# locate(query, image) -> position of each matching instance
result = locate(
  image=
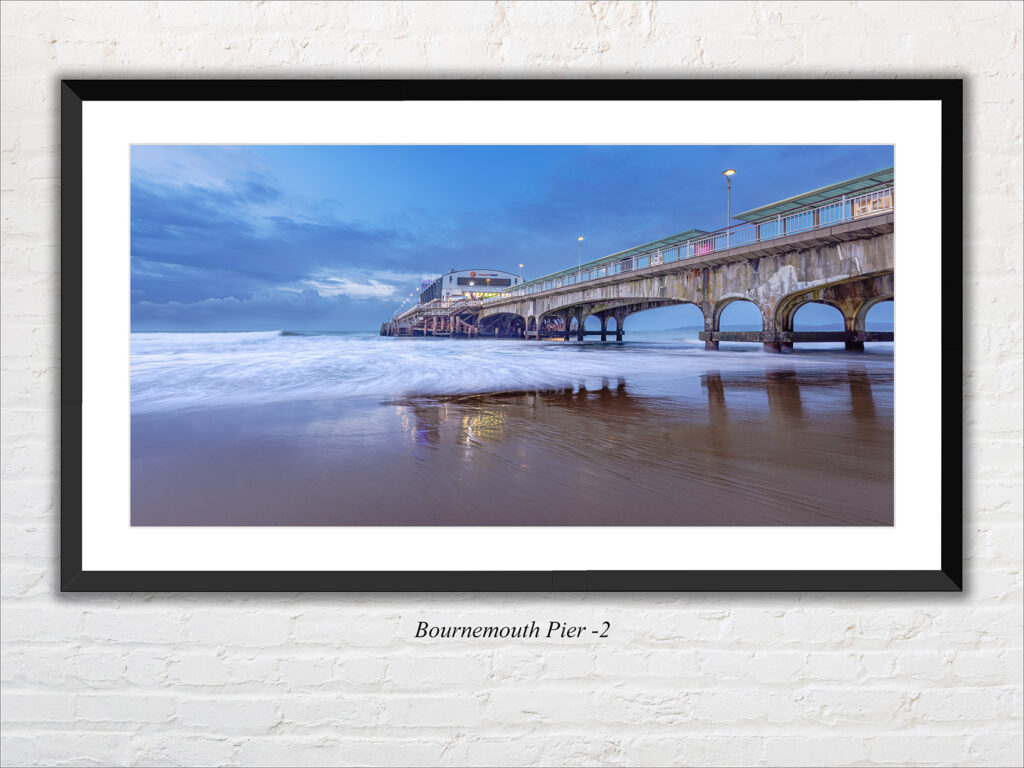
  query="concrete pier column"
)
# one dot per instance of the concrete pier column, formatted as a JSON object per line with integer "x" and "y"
{"x": 579, "y": 327}
{"x": 604, "y": 327}
{"x": 709, "y": 327}
{"x": 707, "y": 308}
{"x": 620, "y": 318}
{"x": 769, "y": 332}
{"x": 850, "y": 312}
{"x": 567, "y": 317}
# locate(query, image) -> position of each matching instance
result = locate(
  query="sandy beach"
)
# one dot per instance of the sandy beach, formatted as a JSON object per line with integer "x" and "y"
{"x": 742, "y": 444}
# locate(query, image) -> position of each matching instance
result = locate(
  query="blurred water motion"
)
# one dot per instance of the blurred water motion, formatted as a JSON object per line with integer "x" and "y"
{"x": 710, "y": 440}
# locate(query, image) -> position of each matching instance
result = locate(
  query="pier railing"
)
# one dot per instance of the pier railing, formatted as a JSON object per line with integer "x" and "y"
{"x": 829, "y": 214}
{"x": 435, "y": 307}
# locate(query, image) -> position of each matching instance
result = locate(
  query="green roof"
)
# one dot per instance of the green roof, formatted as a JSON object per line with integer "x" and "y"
{"x": 654, "y": 245}
{"x": 790, "y": 204}
{"x": 850, "y": 187}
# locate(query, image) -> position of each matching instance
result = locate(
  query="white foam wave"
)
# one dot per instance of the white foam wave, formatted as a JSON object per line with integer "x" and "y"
{"x": 183, "y": 370}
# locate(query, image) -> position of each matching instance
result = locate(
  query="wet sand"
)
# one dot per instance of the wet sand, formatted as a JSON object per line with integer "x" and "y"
{"x": 784, "y": 447}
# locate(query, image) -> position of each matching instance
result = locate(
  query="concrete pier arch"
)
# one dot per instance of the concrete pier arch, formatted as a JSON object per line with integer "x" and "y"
{"x": 848, "y": 264}
{"x": 504, "y": 325}
{"x": 739, "y": 310}
{"x": 853, "y": 297}
{"x": 871, "y": 306}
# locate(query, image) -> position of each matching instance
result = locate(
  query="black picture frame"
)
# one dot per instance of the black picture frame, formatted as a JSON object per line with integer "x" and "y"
{"x": 75, "y": 92}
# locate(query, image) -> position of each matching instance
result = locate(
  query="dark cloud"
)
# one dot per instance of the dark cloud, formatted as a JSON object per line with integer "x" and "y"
{"x": 192, "y": 243}
{"x": 305, "y": 310}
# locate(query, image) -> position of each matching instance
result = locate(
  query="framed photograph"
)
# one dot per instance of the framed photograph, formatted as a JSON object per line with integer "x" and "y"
{"x": 511, "y": 335}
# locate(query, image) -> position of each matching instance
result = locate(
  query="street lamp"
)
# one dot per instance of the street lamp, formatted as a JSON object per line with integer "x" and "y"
{"x": 728, "y": 201}
{"x": 579, "y": 267}
{"x": 520, "y": 273}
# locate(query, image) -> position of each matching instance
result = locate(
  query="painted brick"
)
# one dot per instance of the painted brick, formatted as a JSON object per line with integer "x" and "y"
{"x": 229, "y": 715}
{"x": 147, "y": 667}
{"x": 963, "y": 703}
{"x": 744, "y": 705}
{"x": 338, "y": 680}
{"x": 338, "y": 628}
{"x": 797, "y": 750}
{"x": 301, "y": 673}
{"x": 912, "y": 748}
{"x": 514, "y": 706}
{"x": 96, "y": 667}
{"x": 177, "y": 749}
{"x": 398, "y": 752}
{"x": 27, "y": 706}
{"x": 132, "y": 625}
{"x": 418, "y": 711}
{"x": 246, "y": 629}
{"x": 206, "y": 669}
{"x": 251, "y": 670}
{"x": 348, "y": 711}
{"x": 835, "y": 706}
{"x": 572, "y": 665}
{"x": 363, "y": 670}
{"x": 46, "y": 748}
{"x": 273, "y": 752}
{"x": 124, "y": 708}
{"x": 724, "y": 750}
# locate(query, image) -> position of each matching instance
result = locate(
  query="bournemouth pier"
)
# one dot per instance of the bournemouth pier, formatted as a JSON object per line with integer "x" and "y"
{"x": 832, "y": 245}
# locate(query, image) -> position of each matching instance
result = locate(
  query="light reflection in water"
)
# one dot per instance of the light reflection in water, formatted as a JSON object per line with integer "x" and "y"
{"x": 786, "y": 395}
{"x": 780, "y": 446}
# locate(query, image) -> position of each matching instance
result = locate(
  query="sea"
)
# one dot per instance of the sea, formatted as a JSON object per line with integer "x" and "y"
{"x": 331, "y": 428}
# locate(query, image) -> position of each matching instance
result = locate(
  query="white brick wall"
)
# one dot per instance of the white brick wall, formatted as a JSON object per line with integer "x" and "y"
{"x": 325, "y": 680}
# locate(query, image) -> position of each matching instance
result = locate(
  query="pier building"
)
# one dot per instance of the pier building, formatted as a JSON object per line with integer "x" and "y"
{"x": 468, "y": 284}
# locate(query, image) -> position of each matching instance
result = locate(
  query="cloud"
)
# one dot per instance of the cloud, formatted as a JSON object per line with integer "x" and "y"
{"x": 193, "y": 242}
{"x": 362, "y": 285}
{"x": 271, "y": 310}
{"x": 220, "y": 234}
{"x": 220, "y": 168}
{"x": 340, "y": 286}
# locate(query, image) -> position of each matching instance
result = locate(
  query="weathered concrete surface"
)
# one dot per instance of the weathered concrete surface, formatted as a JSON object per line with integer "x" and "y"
{"x": 849, "y": 266}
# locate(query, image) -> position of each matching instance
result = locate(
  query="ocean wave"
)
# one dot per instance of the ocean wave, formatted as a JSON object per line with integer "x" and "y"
{"x": 185, "y": 370}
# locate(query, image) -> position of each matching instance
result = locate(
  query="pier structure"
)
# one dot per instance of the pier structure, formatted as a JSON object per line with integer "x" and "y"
{"x": 449, "y": 305}
{"x": 831, "y": 246}
{"x": 436, "y": 318}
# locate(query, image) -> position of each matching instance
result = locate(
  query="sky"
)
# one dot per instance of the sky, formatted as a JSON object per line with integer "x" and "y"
{"x": 335, "y": 237}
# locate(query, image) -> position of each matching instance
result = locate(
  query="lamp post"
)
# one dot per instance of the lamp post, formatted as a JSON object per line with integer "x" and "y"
{"x": 579, "y": 266}
{"x": 729, "y": 173}
{"x": 520, "y": 273}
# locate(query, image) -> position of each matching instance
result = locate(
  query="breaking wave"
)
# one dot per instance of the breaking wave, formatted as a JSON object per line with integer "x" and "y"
{"x": 171, "y": 371}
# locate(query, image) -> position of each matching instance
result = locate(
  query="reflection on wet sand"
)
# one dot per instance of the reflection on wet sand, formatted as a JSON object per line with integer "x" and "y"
{"x": 783, "y": 389}
{"x": 482, "y": 417}
{"x": 823, "y": 455}
{"x": 476, "y": 418}
{"x": 808, "y": 446}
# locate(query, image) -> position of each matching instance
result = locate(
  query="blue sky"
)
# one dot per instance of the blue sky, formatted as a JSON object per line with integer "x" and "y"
{"x": 334, "y": 237}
